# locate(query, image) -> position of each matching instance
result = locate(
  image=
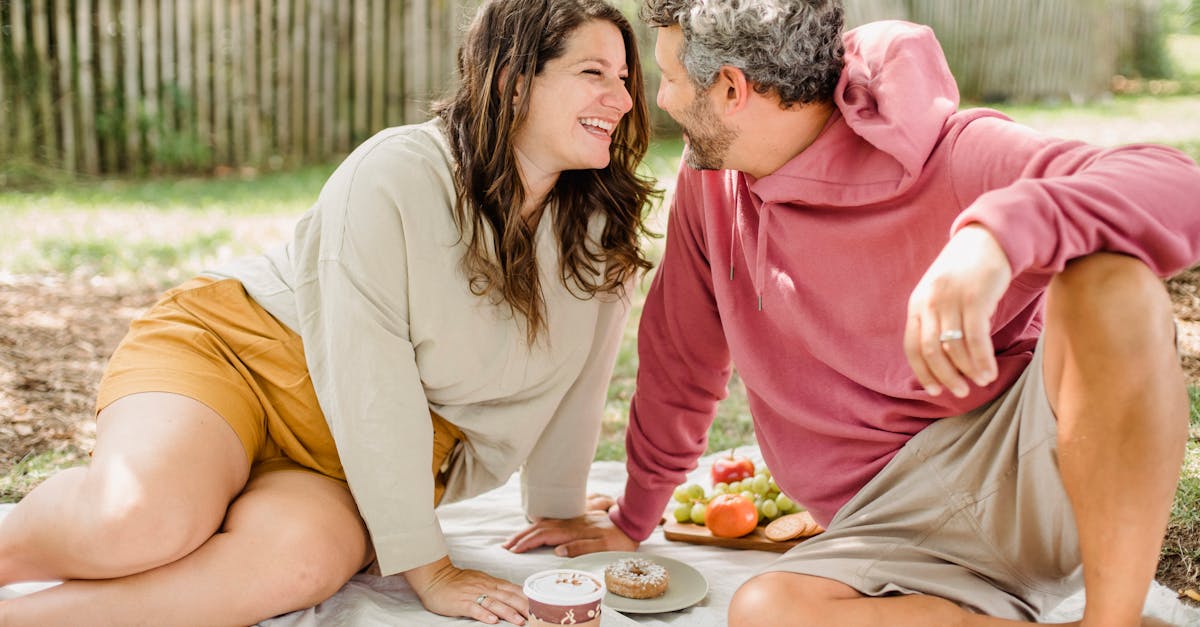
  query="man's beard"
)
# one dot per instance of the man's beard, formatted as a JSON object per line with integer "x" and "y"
{"x": 708, "y": 140}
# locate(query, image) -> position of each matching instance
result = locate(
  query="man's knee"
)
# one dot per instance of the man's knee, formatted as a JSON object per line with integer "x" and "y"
{"x": 803, "y": 599}
{"x": 1116, "y": 298}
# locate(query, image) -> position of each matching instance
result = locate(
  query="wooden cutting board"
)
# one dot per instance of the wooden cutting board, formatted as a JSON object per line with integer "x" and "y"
{"x": 698, "y": 534}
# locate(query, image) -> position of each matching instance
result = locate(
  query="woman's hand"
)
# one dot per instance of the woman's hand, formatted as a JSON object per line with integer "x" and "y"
{"x": 451, "y": 591}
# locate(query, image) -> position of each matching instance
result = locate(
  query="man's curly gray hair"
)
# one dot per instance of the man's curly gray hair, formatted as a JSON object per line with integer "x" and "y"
{"x": 790, "y": 47}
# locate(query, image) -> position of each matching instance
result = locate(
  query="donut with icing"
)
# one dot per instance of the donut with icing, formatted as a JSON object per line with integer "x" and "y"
{"x": 636, "y": 578}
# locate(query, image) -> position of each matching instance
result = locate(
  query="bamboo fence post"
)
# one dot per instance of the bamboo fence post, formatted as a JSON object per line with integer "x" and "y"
{"x": 416, "y": 68}
{"x": 283, "y": 77}
{"x": 62, "y": 32}
{"x": 184, "y": 79}
{"x": 266, "y": 93}
{"x": 236, "y": 57}
{"x": 312, "y": 142}
{"x": 129, "y": 48}
{"x": 249, "y": 106}
{"x": 42, "y": 60}
{"x": 21, "y": 104}
{"x": 150, "y": 86}
{"x": 345, "y": 95}
{"x": 202, "y": 18}
{"x": 329, "y": 41}
{"x": 5, "y": 99}
{"x": 220, "y": 79}
{"x": 395, "y": 65}
{"x": 439, "y": 42}
{"x": 106, "y": 48}
{"x": 378, "y": 60}
{"x": 169, "y": 83}
{"x": 87, "y": 90}
{"x": 361, "y": 19}
{"x": 299, "y": 19}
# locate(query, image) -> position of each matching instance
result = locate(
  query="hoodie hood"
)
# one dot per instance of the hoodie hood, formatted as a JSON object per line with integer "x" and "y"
{"x": 894, "y": 97}
{"x": 893, "y": 100}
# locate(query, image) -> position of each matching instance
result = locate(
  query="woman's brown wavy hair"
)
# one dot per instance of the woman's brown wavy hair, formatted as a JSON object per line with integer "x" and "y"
{"x": 520, "y": 36}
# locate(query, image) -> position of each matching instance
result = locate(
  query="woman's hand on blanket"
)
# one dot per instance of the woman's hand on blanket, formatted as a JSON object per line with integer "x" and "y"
{"x": 451, "y": 591}
{"x": 591, "y": 533}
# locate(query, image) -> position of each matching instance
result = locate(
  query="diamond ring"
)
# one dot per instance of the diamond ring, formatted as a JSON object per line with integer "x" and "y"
{"x": 951, "y": 335}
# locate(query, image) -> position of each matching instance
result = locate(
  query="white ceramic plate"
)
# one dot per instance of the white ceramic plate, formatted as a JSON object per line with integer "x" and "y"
{"x": 685, "y": 588}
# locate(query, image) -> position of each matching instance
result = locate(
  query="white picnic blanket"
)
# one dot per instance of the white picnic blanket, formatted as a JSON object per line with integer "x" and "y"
{"x": 476, "y": 528}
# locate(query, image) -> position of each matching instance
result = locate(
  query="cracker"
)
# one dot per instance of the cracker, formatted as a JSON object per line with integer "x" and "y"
{"x": 791, "y": 526}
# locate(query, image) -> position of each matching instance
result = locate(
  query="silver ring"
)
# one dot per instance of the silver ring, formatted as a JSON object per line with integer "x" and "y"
{"x": 480, "y": 599}
{"x": 951, "y": 335}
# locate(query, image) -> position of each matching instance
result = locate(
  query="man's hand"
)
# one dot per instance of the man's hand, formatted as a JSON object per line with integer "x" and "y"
{"x": 948, "y": 338}
{"x": 451, "y": 591}
{"x": 590, "y": 533}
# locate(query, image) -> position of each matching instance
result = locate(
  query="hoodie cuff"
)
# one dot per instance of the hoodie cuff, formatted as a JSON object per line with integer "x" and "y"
{"x": 639, "y": 511}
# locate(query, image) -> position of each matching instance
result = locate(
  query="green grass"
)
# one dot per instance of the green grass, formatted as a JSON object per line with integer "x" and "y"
{"x": 34, "y": 469}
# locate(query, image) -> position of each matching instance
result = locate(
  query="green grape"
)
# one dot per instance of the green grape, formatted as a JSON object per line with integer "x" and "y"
{"x": 697, "y": 513}
{"x": 771, "y": 485}
{"x": 735, "y": 487}
{"x": 683, "y": 513}
{"x": 766, "y": 472}
{"x": 695, "y": 491}
{"x": 769, "y": 509}
{"x": 750, "y": 495}
{"x": 785, "y": 504}
{"x": 761, "y": 485}
{"x": 681, "y": 494}
{"x": 720, "y": 488}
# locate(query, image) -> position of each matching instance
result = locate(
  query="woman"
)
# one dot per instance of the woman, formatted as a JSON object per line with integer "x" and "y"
{"x": 448, "y": 312}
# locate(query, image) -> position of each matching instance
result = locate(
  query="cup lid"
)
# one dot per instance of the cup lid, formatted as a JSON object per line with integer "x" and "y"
{"x": 564, "y": 586}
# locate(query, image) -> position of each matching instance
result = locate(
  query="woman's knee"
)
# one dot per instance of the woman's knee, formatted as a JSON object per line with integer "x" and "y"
{"x": 128, "y": 521}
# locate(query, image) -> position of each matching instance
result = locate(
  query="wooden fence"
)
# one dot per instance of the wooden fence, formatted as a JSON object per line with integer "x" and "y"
{"x": 120, "y": 86}
{"x": 1027, "y": 50}
{"x": 101, "y": 86}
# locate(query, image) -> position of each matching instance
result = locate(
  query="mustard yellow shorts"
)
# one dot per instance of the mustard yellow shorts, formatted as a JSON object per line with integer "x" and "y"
{"x": 209, "y": 341}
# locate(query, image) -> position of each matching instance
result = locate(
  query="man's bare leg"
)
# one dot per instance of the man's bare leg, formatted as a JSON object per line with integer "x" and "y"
{"x": 1114, "y": 380}
{"x": 291, "y": 540}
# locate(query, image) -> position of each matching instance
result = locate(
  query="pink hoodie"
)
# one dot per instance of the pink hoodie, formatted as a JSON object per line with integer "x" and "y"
{"x": 833, "y": 244}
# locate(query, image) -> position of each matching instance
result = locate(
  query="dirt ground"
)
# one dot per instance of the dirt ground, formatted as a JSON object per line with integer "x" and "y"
{"x": 56, "y": 336}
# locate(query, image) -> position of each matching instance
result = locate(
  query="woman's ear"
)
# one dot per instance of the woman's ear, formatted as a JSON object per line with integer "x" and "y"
{"x": 516, "y": 83}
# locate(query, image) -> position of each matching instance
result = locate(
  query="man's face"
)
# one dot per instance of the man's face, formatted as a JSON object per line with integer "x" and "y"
{"x": 705, "y": 135}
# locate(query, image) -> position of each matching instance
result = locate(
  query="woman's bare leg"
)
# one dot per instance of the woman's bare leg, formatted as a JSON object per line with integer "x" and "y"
{"x": 291, "y": 540}
{"x": 163, "y": 472}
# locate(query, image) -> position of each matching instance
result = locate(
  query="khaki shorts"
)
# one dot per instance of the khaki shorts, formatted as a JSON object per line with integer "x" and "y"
{"x": 972, "y": 510}
{"x": 209, "y": 341}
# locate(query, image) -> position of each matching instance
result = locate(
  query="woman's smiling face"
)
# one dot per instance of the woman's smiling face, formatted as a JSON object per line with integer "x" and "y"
{"x": 575, "y": 104}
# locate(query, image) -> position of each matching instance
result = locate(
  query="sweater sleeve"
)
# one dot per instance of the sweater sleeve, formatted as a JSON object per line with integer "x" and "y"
{"x": 1048, "y": 201}
{"x": 353, "y": 308}
{"x": 683, "y": 368}
{"x": 554, "y": 477}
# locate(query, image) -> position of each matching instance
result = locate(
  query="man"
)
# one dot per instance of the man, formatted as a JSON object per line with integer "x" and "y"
{"x": 956, "y": 345}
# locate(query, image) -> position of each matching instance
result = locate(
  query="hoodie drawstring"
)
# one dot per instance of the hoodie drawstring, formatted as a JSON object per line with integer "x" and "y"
{"x": 760, "y": 260}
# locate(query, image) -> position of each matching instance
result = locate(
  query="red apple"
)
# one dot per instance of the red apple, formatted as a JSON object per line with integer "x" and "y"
{"x": 731, "y": 468}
